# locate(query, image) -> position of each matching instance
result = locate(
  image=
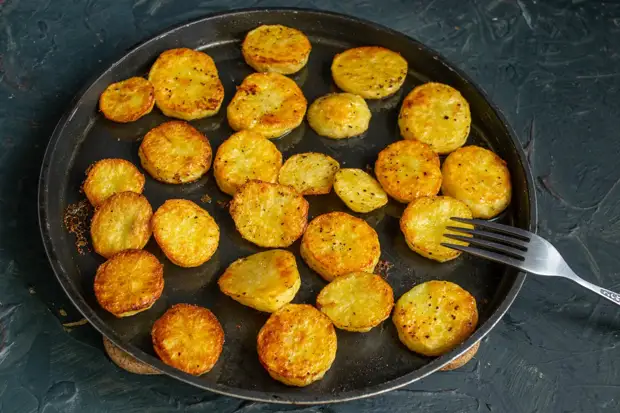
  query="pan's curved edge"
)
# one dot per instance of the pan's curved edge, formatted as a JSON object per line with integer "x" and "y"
{"x": 281, "y": 397}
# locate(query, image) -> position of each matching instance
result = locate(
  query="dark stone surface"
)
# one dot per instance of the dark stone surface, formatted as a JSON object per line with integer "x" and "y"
{"x": 552, "y": 66}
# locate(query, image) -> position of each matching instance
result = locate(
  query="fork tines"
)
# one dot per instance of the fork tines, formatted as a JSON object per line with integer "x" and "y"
{"x": 497, "y": 242}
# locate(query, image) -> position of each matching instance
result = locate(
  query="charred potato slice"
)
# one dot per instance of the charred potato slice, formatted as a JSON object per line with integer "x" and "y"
{"x": 245, "y": 156}
{"x": 125, "y": 361}
{"x": 121, "y": 223}
{"x": 265, "y": 281}
{"x": 187, "y": 85}
{"x": 111, "y": 176}
{"x": 189, "y": 338}
{"x": 175, "y": 153}
{"x": 276, "y": 48}
{"x": 269, "y": 215}
{"x": 479, "y": 178}
{"x": 339, "y": 115}
{"x": 437, "y": 115}
{"x": 309, "y": 173}
{"x": 129, "y": 282}
{"x": 357, "y": 301}
{"x": 267, "y": 103}
{"x": 186, "y": 233}
{"x": 297, "y": 345}
{"x": 424, "y": 223}
{"x": 408, "y": 170}
{"x": 462, "y": 360}
{"x": 338, "y": 243}
{"x": 127, "y": 100}
{"x": 358, "y": 190}
{"x": 434, "y": 317}
{"x": 372, "y": 72}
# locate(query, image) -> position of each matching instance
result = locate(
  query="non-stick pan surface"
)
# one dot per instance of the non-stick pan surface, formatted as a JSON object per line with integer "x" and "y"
{"x": 366, "y": 364}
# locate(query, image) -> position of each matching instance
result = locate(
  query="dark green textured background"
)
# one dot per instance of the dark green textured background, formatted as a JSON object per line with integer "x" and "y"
{"x": 553, "y": 67}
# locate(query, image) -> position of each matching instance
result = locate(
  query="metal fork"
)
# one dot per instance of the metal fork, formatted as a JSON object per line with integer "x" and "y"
{"x": 518, "y": 248}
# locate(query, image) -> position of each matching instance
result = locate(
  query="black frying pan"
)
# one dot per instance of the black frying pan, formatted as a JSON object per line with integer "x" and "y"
{"x": 366, "y": 364}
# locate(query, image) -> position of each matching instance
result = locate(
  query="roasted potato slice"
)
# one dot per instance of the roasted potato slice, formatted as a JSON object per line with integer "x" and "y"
{"x": 434, "y": 317}
{"x": 358, "y": 190}
{"x": 309, "y": 173}
{"x": 186, "y": 233}
{"x": 357, "y": 301}
{"x": 424, "y": 223}
{"x": 175, "y": 153}
{"x": 127, "y": 100}
{"x": 121, "y": 223}
{"x": 338, "y": 243}
{"x": 125, "y": 361}
{"x": 276, "y": 48}
{"x": 189, "y": 338}
{"x": 372, "y": 72}
{"x": 462, "y": 360}
{"x": 479, "y": 178}
{"x": 269, "y": 215}
{"x": 111, "y": 176}
{"x": 244, "y": 156}
{"x": 187, "y": 85}
{"x": 437, "y": 115}
{"x": 264, "y": 281}
{"x": 129, "y": 282}
{"x": 408, "y": 170}
{"x": 297, "y": 345}
{"x": 267, "y": 103}
{"x": 339, "y": 115}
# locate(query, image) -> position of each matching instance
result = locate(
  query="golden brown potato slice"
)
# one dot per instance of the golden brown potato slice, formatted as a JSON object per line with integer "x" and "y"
{"x": 126, "y": 361}
{"x": 309, "y": 173}
{"x": 129, "y": 282}
{"x": 186, "y": 233}
{"x": 479, "y": 178}
{"x": 297, "y": 345}
{"x": 276, "y": 48}
{"x": 269, "y": 215}
{"x": 372, "y": 72}
{"x": 359, "y": 191}
{"x": 264, "y": 281}
{"x": 357, "y": 301}
{"x": 111, "y": 176}
{"x": 434, "y": 317}
{"x": 175, "y": 153}
{"x": 267, "y": 103}
{"x": 339, "y": 115}
{"x": 189, "y": 338}
{"x": 122, "y": 222}
{"x": 187, "y": 85}
{"x": 459, "y": 362}
{"x": 437, "y": 115}
{"x": 424, "y": 223}
{"x": 338, "y": 243}
{"x": 127, "y": 100}
{"x": 408, "y": 170}
{"x": 244, "y": 156}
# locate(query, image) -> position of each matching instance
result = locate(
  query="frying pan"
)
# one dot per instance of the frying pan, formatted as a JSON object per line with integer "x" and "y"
{"x": 366, "y": 364}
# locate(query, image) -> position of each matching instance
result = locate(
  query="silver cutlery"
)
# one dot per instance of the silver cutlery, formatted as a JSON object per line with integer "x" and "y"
{"x": 518, "y": 248}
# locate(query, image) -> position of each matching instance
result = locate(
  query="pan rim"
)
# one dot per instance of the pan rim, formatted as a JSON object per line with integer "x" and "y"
{"x": 254, "y": 395}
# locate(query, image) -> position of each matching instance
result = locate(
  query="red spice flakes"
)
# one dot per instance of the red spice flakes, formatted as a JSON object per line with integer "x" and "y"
{"x": 205, "y": 199}
{"x": 383, "y": 267}
{"x": 76, "y": 219}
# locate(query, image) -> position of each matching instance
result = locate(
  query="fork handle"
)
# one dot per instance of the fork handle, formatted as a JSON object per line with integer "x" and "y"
{"x": 610, "y": 295}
